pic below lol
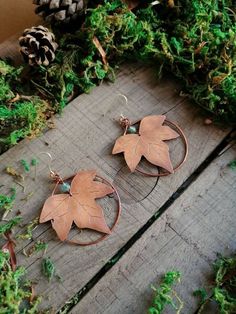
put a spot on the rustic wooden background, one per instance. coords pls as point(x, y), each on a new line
point(177, 222)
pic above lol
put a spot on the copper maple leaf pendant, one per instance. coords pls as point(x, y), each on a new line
point(148, 142)
point(78, 205)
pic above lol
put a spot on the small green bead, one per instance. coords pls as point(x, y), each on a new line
point(65, 187)
point(132, 130)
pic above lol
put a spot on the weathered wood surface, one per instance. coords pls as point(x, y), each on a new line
point(83, 139)
point(199, 224)
point(10, 49)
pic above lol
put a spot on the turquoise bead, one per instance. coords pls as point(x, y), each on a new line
point(132, 129)
point(65, 187)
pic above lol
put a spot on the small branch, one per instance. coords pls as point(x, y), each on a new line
point(20, 97)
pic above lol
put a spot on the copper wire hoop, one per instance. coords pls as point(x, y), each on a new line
point(182, 135)
point(116, 219)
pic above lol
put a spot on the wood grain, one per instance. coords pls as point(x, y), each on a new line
point(83, 139)
point(199, 224)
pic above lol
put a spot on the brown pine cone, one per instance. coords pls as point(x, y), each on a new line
point(60, 10)
point(38, 46)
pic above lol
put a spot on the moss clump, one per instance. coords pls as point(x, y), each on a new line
point(165, 295)
point(6, 201)
point(194, 40)
point(21, 119)
point(14, 292)
point(48, 268)
point(6, 227)
point(20, 116)
point(223, 292)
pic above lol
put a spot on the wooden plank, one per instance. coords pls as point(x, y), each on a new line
point(10, 49)
point(83, 139)
point(199, 224)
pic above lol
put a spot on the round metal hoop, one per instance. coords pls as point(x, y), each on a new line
point(182, 135)
point(116, 219)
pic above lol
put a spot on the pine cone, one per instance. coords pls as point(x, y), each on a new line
point(38, 45)
point(60, 10)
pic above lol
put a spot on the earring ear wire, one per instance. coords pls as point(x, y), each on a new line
point(50, 162)
point(53, 174)
point(126, 99)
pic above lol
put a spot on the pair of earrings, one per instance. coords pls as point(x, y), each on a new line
point(76, 202)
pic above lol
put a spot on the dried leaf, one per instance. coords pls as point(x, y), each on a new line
point(14, 173)
point(100, 49)
point(132, 4)
point(37, 247)
point(27, 197)
point(29, 230)
point(171, 3)
point(78, 206)
point(148, 143)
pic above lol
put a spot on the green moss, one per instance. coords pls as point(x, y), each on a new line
point(37, 247)
point(48, 268)
point(232, 164)
point(14, 292)
point(25, 165)
point(194, 40)
point(22, 119)
point(164, 294)
point(223, 291)
point(6, 202)
point(29, 230)
point(4, 228)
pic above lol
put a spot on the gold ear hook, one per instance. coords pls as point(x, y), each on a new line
point(126, 99)
point(54, 175)
point(50, 162)
point(122, 116)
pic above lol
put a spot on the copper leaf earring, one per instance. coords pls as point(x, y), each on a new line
point(146, 138)
point(73, 201)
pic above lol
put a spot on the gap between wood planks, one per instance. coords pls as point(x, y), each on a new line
point(111, 262)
